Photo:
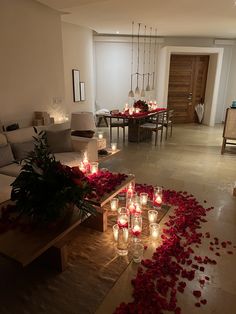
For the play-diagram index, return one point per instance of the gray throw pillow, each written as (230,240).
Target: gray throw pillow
(20,150)
(59,141)
(6,156)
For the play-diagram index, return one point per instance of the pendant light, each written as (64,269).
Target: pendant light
(131,93)
(137,91)
(144,61)
(148,88)
(154,62)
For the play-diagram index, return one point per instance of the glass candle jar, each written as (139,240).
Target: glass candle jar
(122,241)
(113,147)
(114,204)
(100,135)
(143,198)
(115,229)
(94,167)
(138,249)
(152,216)
(154,230)
(123,217)
(136,226)
(157,197)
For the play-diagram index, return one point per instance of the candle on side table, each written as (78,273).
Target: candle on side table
(113,147)
(100,135)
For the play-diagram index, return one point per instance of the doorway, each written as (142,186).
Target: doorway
(187,85)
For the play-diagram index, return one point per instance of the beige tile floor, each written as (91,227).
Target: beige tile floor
(191,161)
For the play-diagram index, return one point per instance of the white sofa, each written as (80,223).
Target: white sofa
(9,171)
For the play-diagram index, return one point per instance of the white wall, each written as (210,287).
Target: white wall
(112,64)
(78,54)
(31,61)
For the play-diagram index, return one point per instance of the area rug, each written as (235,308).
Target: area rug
(94,267)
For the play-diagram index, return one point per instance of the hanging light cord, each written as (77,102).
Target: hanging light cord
(138,53)
(144,54)
(132,54)
(154,64)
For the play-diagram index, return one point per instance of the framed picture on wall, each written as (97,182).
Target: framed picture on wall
(82,91)
(76,85)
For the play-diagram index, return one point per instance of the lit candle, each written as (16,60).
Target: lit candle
(154,230)
(114,204)
(143,198)
(136,230)
(126,106)
(157,197)
(131,208)
(94,167)
(138,208)
(152,215)
(100,135)
(113,147)
(131,110)
(115,232)
(123,221)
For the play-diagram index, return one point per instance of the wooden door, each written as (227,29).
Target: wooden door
(187,85)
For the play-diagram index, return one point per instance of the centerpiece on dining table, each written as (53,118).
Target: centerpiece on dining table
(141,105)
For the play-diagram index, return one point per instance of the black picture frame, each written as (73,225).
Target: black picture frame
(76,85)
(82,91)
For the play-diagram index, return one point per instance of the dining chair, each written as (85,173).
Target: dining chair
(155,124)
(117,123)
(168,121)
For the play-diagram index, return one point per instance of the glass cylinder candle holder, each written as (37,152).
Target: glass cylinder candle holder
(115,229)
(122,241)
(100,135)
(154,230)
(138,249)
(136,226)
(94,167)
(113,147)
(157,197)
(152,216)
(130,191)
(123,217)
(114,204)
(143,198)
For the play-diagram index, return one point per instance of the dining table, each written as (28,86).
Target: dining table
(135,133)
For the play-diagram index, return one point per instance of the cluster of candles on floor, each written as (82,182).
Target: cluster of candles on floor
(130,220)
(113,145)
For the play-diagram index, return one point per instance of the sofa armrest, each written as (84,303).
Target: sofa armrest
(84,144)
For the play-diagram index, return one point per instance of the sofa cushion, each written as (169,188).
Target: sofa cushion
(6,156)
(20,150)
(71,159)
(3,140)
(59,141)
(11,170)
(20,135)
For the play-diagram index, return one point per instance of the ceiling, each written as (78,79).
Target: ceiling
(198,18)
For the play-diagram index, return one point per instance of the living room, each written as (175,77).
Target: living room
(41,43)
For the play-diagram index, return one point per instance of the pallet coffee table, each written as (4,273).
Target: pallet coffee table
(50,243)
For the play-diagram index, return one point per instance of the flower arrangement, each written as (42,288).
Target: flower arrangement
(142,105)
(45,188)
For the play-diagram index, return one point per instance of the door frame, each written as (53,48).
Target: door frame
(213,76)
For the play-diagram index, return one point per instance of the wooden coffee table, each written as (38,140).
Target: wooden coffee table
(50,243)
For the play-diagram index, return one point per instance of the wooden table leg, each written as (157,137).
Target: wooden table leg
(98,222)
(55,257)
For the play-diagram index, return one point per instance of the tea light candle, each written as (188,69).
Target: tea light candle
(115,232)
(100,135)
(154,230)
(131,208)
(114,204)
(113,147)
(152,216)
(143,198)
(138,208)
(94,167)
(126,106)
(131,110)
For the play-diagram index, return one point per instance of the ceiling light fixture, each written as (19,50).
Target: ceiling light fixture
(131,93)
